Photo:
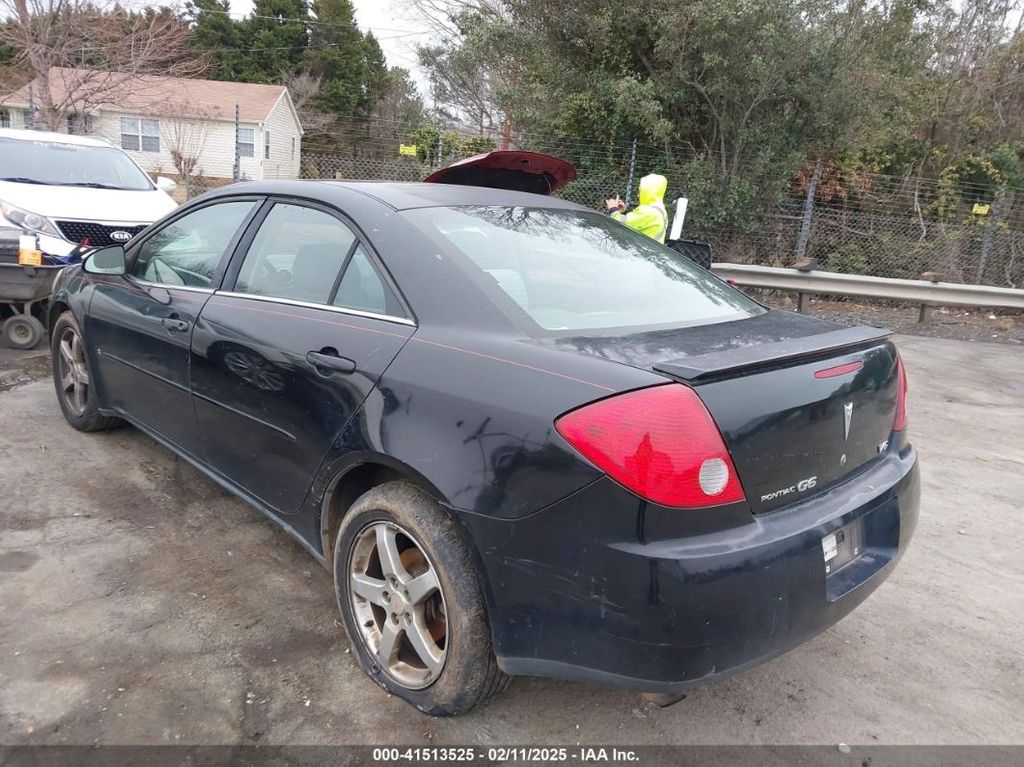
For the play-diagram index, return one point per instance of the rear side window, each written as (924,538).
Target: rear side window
(578,270)
(362,288)
(297,253)
(304,254)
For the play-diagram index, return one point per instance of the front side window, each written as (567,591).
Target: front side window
(297,254)
(578,270)
(246,142)
(188,251)
(140,134)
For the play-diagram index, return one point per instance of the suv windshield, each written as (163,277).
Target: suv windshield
(579,270)
(56,164)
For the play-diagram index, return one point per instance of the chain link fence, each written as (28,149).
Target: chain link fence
(857,223)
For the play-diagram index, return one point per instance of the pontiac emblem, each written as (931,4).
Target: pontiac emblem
(847,416)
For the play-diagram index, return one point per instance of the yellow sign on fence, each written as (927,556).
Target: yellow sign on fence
(981,209)
(408,150)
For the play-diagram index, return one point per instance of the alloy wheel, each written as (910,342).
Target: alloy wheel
(74,375)
(398,604)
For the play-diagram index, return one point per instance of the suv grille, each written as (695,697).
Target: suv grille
(98,234)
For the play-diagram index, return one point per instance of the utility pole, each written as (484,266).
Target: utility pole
(236,171)
(440,147)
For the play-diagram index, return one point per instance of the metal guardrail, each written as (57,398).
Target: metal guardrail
(914,291)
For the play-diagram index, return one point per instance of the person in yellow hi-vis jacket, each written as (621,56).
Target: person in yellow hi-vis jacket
(650,216)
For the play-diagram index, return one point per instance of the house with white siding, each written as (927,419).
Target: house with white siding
(171,124)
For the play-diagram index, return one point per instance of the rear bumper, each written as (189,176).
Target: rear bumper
(603,588)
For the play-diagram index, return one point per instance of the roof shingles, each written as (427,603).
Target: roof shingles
(159,96)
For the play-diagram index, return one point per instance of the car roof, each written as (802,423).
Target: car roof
(404,196)
(22,134)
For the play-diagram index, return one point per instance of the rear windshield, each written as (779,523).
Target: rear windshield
(579,270)
(55,164)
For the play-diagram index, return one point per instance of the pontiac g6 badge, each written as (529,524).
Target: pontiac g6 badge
(800,487)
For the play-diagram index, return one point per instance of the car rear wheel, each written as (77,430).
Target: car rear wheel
(412,601)
(72,378)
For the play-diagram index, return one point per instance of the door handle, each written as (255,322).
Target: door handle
(328,361)
(175,325)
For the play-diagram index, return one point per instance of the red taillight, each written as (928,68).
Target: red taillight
(661,443)
(900,422)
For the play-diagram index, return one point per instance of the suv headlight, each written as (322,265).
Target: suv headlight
(27,220)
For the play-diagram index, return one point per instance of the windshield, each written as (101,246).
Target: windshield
(580,270)
(56,164)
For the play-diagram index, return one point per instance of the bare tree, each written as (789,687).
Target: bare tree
(83,54)
(304,88)
(185,135)
(465,78)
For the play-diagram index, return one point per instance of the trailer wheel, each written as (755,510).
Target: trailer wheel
(23,331)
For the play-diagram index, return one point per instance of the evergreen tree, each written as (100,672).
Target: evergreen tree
(349,65)
(217,36)
(276,36)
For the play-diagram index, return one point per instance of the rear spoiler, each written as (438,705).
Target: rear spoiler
(706,367)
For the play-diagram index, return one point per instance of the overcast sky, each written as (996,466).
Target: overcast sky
(396,25)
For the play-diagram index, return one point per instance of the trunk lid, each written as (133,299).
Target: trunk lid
(518,171)
(801,403)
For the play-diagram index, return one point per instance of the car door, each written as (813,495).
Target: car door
(285,355)
(140,324)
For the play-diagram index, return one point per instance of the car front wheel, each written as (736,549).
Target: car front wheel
(412,601)
(73,378)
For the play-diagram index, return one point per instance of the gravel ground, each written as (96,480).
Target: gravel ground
(142,604)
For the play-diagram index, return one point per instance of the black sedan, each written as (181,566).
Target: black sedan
(523,438)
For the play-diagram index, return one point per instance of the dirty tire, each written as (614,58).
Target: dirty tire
(23,331)
(470,675)
(88,417)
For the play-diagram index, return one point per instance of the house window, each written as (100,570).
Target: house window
(246,142)
(266,145)
(79,124)
(293,147)
(140,134)
(5,118)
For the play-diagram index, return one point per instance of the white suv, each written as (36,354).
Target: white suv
(73,190)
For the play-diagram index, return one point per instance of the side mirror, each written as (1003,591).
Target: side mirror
(109,260)
(166,185)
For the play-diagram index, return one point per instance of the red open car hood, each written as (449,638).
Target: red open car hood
(520,171)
